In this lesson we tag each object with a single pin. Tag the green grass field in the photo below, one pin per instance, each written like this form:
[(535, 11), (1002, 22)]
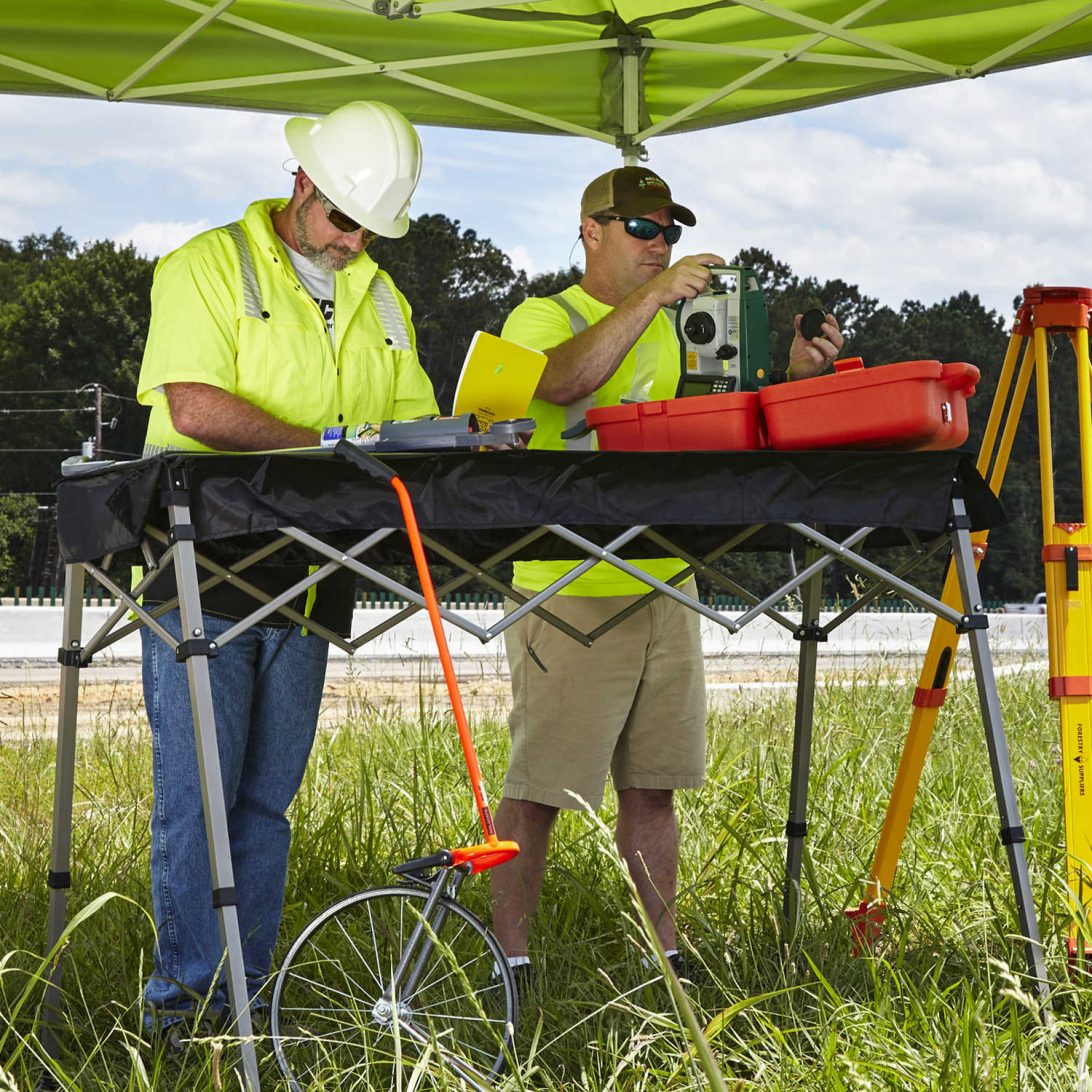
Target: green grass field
[(942, 1003)]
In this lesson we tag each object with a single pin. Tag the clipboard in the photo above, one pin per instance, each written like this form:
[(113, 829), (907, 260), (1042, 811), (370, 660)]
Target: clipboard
[(498, 379)]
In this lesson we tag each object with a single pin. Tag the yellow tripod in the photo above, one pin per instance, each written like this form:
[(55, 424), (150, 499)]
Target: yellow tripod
[(1067, 559)]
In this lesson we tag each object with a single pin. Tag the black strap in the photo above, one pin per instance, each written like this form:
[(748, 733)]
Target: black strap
[(224, 896), (1071, 581), (182, 532), (195, 647), (70, 657), (972, 621)]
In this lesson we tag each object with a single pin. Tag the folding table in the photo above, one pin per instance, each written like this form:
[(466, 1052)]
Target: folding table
[(208, 518)]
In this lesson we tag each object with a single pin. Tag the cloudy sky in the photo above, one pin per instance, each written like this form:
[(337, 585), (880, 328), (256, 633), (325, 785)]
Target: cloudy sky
[(977, 185)]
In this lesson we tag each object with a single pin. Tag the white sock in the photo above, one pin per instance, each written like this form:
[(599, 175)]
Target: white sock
[(518, 961), (669, 952)]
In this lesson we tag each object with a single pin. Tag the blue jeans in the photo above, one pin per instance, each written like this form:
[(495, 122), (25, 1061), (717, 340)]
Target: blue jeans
[(266, 689)]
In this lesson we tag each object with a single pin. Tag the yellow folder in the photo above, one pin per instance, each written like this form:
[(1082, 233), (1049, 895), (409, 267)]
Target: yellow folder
[(498, 379)]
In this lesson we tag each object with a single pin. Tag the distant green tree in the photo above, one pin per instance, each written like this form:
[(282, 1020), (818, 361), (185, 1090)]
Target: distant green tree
[(959, 328), (542, 285), (16, 539), (79, 317), (72, 316), (457, 283)]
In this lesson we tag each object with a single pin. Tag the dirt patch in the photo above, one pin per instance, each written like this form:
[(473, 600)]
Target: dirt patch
[(32, 708)]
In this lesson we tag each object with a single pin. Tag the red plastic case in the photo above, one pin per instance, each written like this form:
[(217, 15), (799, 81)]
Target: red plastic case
[(706, 422), (918, 405)]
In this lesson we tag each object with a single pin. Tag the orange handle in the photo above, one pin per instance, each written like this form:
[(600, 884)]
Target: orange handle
[(849, 364)]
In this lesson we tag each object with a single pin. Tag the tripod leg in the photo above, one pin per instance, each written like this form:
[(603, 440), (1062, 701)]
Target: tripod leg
[(1067, 560)]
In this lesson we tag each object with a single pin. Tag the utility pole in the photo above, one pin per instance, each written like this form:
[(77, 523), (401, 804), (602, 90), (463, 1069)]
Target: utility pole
[(98, 420)]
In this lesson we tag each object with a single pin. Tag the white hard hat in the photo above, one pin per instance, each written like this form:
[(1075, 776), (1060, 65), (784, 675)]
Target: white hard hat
[(366, 158)]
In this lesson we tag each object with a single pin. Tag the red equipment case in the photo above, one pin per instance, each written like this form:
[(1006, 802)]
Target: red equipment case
[(918, 405), (706, 422)]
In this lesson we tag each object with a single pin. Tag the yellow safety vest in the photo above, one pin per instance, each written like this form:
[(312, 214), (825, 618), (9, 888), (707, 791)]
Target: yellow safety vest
[(648, 372)]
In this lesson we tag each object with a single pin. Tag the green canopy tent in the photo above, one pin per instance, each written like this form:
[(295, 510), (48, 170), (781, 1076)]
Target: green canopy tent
[(620, 73), (615, 72)]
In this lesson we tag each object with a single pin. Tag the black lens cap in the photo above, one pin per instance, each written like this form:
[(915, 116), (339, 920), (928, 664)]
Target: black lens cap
[(811, 324)]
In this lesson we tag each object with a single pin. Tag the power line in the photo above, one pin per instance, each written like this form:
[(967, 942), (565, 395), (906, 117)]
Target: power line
[(63, 409), (78, 390), (39, 450), (66, 391)]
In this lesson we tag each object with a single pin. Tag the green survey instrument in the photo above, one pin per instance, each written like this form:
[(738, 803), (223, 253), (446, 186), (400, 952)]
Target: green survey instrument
[(724, 335)]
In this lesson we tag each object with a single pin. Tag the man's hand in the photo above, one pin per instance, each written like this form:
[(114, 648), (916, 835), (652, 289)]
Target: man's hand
[(685, 279), (808, 358)]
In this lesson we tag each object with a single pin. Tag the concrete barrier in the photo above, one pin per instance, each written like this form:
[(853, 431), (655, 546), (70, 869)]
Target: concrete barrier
[(31, 635)]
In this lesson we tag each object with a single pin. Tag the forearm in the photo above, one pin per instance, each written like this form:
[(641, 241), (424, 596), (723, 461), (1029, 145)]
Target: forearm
[(585, 362), (226, 422)]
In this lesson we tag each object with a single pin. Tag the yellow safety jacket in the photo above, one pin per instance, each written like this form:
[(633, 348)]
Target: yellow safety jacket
[(229, 311)]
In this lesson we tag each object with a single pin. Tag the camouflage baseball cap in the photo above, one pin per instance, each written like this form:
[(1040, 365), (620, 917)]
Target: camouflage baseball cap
[(631, 191)]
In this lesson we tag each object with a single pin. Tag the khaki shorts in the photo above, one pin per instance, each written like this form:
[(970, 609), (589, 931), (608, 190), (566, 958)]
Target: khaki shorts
[(633, 703)]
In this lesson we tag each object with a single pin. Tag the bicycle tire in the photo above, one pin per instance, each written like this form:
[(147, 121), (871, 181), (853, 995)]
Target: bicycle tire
[(327, 1018)]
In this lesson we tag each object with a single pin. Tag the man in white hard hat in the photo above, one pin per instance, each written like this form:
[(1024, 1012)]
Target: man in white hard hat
[(263, 333), (633, 704)]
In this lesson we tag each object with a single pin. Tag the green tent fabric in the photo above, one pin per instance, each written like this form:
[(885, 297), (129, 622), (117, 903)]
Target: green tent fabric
[(618, 72)]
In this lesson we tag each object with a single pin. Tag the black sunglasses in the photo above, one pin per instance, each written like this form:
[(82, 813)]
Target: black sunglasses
[(336, 217), (640, 228)]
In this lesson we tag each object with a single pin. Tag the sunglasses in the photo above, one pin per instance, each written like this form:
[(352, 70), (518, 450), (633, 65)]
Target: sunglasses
[(646, 230), (336, 217)]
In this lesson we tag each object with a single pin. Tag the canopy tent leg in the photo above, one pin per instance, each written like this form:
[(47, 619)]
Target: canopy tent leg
[(64, 775), (1012, 832), (997, 440), (195, 649), (796, 828)]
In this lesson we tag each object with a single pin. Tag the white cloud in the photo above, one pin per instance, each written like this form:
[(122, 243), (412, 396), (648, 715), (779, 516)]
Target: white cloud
[(912, 195), (215, 151), (979, 185), (31, 200), (158, 238), (521, 259)]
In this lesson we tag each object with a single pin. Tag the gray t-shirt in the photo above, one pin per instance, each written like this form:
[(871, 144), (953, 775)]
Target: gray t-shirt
[(319, 284)]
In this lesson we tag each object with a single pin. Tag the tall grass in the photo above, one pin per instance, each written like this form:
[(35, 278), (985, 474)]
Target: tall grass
[(941, 1003)]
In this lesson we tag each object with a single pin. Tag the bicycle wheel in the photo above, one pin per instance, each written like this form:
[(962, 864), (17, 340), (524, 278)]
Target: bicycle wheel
[(338, 1023)]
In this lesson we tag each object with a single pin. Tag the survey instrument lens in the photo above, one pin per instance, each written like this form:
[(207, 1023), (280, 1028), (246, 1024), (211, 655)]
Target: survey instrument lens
[(811, 324)]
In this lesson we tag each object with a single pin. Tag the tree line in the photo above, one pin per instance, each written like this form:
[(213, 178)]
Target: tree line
[(73, 316)]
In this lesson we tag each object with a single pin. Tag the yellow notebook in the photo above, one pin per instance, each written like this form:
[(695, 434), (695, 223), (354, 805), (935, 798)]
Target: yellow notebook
[(498, 379)]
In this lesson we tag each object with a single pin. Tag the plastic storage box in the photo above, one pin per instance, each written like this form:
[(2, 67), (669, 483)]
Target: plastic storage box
[(706, 422), (918, 405)]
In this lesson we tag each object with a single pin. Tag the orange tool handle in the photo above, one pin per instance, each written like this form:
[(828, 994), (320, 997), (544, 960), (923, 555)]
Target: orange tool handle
[(477, 856)]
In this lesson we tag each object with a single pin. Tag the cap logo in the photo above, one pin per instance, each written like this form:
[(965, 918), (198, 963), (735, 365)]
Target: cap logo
[(650, 181)]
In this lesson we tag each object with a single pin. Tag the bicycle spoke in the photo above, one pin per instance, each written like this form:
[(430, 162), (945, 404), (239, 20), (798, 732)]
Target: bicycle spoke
[(336, 986)]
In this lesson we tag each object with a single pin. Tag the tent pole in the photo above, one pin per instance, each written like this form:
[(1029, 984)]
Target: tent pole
[(796, 827), (631, 90), (60, 856), (631, 47)]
